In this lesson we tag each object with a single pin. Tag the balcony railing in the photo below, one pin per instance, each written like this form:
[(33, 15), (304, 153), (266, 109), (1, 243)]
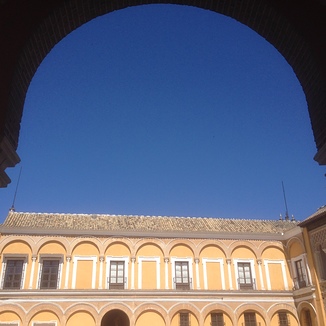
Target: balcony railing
[(247, 286), (300, 282), (117, 286), (182, 285)]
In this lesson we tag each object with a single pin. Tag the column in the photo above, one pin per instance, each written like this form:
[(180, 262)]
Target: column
[(68, 259), (166, 265), (259, 262), (100, 282), (133, 260), (34, 257), (197, 273), (228, 261)]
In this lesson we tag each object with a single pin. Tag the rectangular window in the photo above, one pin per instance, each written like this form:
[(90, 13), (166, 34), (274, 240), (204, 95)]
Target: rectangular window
[(184, 319), (217, 319), (283, 319), (182, 280), (245, 278), (13, 274), (41, 323), (250, 319), (49, 274), (117, 275), (9, 324), (301, 277)]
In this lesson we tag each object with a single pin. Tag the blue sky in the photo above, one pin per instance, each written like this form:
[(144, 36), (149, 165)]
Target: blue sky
[(166, 110)]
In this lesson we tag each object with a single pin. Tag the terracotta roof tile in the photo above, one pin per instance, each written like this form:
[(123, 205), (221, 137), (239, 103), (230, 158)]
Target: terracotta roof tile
[(99, 222)]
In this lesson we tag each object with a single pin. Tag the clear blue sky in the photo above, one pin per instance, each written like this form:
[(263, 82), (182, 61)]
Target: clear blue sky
[(166, 110)]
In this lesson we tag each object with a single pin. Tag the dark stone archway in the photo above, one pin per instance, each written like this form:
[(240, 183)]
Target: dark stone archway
[(30, 28), (115, 317)]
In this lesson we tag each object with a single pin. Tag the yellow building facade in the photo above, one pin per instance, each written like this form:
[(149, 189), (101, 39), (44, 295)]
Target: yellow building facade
[(109, 270)]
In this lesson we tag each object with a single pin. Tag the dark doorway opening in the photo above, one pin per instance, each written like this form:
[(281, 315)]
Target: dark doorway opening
[(115, 317)]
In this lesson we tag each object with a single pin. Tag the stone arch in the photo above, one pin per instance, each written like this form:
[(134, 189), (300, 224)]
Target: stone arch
[(44, 241), (181, 242), (243, 244), (273, 22), (155, 307), (221, 306), (294, 241), (277, 307), (81, 307), (15, 309), (269, 244), (215, 243), (305, 305), (252, 307), (159, 243), (115, 317), (118, 306), (93, 241), (111, 241), (45, 307), (10, 240), (184, 307)]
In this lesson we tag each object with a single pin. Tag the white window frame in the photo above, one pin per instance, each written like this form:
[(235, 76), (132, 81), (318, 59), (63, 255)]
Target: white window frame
[(74, 272), (213, 260), (252, 269), (7, 257), (141, 259), (125, 259), (40, 267), (302, 257), (184, 259), (11, 323), (282, 263)]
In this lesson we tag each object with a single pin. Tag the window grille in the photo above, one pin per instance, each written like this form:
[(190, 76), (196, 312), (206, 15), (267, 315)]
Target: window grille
[(283, 319), (14, 271), (49, 274), (250, 319), (217, 319), (184, 319)]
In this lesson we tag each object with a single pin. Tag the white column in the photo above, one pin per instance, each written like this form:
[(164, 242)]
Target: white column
[(197, 273), (68, 259), (228, 261), (286, 284), (34, 257), (100, 281), (259, 262), (133, 259), (166, 263)]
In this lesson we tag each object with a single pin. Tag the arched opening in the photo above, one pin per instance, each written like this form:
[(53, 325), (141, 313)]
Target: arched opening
[(115, 317)]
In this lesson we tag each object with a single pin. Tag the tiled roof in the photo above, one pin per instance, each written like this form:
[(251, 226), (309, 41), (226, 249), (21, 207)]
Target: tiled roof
[(138, 223), (320, 213)]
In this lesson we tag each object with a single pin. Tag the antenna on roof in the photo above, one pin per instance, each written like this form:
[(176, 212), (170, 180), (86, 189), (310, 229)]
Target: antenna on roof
[(286, 206), (12, 208)]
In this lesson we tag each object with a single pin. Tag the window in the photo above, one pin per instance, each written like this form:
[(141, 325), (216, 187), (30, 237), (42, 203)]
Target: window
[(321, 258), (117, 275), (184, 319), (283, 319), (10, 323), (49, 274), (44, 323), (14, 269), (217, 319), (250, 319), (301, 277), (182, 280), (245, 278)]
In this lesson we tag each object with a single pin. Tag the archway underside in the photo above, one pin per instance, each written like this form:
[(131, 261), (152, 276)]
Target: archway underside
[(29, 29)]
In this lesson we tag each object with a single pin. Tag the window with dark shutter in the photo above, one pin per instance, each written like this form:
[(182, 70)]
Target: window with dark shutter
[(49, 274), (217, 319), (184, 319), (250, 319), (13, 274)]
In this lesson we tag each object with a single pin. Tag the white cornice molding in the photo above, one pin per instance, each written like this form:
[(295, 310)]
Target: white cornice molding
[(157, 234)]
